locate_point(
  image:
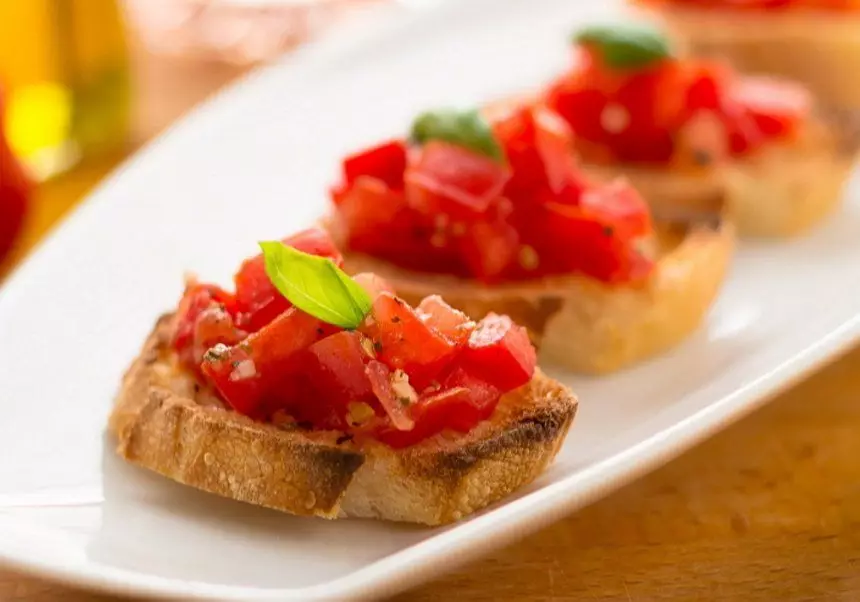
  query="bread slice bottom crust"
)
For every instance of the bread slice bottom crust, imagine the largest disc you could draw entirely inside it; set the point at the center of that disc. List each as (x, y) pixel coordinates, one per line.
(586, 325)
(780, 191)
(165, 421)
(820, 49)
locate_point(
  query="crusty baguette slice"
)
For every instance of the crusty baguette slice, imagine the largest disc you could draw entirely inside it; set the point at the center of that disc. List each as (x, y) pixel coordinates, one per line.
(167, 423)
(586, 325)
(783, 190)
(820, 49)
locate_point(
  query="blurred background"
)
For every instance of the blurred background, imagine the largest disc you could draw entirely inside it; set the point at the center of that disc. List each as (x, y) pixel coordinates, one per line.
(84, 83)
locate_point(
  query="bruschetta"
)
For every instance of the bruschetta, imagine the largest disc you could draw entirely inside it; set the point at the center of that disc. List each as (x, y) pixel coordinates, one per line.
(682, 130)
(313, 393)
(816, 42)
(496, 215)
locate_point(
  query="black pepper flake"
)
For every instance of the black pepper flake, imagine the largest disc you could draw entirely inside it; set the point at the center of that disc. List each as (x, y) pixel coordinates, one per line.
(608, 230)
(235, 363)
(395, 319)
(377, 346)
(196, 388)
(320, 331)
(343, 439)
(404, 401)
(245, 346)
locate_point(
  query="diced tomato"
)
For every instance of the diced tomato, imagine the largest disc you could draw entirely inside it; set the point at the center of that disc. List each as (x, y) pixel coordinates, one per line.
(334, 369)
(394, 405)
(451, 323)
(499, 352)
(461, 403)
(385, 162)
(620, 207)
(554, 143)
(455, 181)
(213, 326)
(15, 191)
(258, 302)
(403, 340)
(578, 242)
(777, 107)
(373, 284)
(743, 133)
(245, 374)
(489, 246)
(195, 300)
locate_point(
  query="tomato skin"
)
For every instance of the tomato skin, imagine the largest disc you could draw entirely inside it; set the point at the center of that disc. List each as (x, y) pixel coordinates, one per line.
(451, 180)
(500, 353)
(489, 247)
(258, 302)
(385, 162)
(404, 341)
(272, 352)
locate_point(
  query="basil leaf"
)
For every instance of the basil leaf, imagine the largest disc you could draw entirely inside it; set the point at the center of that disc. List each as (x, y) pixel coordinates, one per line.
(316, 285)
(626, 46)
(464, 128)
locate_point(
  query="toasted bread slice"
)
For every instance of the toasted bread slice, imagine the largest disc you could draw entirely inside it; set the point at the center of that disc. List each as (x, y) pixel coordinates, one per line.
(780, 191)
(166, 422)
(586, 325)
(819, 48)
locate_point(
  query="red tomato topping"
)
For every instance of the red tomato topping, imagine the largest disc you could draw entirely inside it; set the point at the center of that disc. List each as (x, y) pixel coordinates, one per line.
(499, 353)
(394, 404)
(247, 373)
(403, 340)
(762, 5)
(385, 162)
(196, 300)
(454, 181)
(636, 116)
(451, 323)
(258, 302)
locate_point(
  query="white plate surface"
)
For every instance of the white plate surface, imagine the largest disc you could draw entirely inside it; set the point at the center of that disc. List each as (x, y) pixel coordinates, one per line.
(255, 164)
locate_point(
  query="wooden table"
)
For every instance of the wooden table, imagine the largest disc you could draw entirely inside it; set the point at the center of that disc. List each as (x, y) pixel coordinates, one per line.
(767, 510)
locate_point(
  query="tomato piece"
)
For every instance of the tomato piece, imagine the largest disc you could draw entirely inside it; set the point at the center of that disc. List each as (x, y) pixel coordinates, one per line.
(246, 373)
(488, 247)
(373, 284)
(396, 406)
(334, 369)
(575, 241)
(742, 131)
(385, 162)
(620, 207)
(196, 299)
(500, 353)
(213, 326)
(777, 107)
(461, 403)
(258, 301)
(403, 340)
(451, 323)
(554, 144)
(455, 181)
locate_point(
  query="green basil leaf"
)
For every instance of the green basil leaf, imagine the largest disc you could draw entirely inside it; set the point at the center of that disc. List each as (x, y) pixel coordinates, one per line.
(466, 128)
(626, 46)
(316, 285)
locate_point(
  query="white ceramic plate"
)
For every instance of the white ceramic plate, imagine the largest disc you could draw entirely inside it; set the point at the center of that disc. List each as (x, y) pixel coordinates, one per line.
(255, 164)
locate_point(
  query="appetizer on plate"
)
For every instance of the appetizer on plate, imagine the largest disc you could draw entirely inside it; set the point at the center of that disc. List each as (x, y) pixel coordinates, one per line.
(310, 392)
(813, 41)
(496, 216)
(683, 130)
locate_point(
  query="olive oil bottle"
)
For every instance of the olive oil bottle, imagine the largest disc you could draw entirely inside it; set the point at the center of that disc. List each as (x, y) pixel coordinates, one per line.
(65, 79)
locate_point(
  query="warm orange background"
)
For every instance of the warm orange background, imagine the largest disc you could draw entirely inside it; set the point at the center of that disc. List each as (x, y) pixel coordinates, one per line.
(767, 510)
